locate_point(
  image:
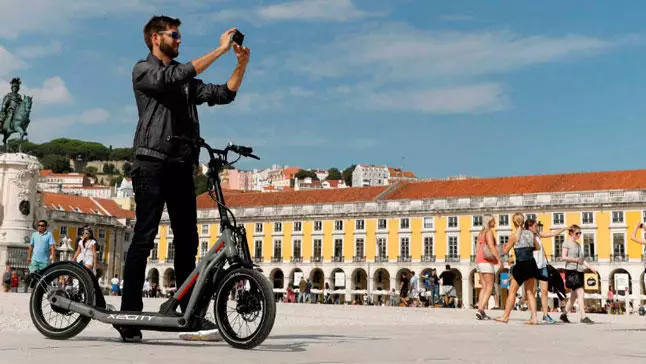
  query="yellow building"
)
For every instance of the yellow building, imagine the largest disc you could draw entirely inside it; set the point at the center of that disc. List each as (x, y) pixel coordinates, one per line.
(360, 240)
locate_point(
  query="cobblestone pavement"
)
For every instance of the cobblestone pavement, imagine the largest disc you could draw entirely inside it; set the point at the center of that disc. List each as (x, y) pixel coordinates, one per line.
(342, 334)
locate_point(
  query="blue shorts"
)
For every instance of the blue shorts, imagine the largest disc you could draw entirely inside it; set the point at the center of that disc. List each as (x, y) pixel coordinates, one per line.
(543, 273)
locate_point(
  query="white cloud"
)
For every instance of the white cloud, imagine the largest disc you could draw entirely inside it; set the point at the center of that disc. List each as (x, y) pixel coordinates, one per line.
(455, 17)
(53, 91)
(298, 10)
(434, 72)
(444, 54)
(49, 16)
(94, 116)
(322, 10)
(9, 62)
(469, 99)
(38, 51)
(49, 127)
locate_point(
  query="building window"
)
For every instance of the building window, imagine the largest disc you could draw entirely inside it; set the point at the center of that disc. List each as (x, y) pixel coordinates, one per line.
(278, 249)
(504, 239)
(278, 227)
(558, 245)
(101, 233)
(258, 249)
(298, 226)
(587, 218)
(617, 217)
(258, 227)
(63, 230)
(453, 247)
(154, 253)
(530, 217)
(503, 220)
(404, 223)
(477, 221)
(317, 248)
(428, 222)
(338, 225)
(297, 249)
(205, 230)
(338, 248)
(404, 248)
(588, 245)
(558, 218)
(359, 225)
(381, 224)
(204, 248)
(618, 246)
(359, 248)
(453, 221)
(318, 225)
(170, 257)
(382, 251)
(428, 246)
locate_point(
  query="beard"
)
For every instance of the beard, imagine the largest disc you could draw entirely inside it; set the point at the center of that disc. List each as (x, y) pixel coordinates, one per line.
(168, 50)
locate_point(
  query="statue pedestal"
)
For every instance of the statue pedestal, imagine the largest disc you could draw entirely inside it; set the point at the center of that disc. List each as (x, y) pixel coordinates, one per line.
(19, 173)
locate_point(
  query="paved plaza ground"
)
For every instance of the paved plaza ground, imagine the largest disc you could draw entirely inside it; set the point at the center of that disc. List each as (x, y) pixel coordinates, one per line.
(342, 334)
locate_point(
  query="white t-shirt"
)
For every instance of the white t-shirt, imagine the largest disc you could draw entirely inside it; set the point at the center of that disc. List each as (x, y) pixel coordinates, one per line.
(86, 255)
(539, 255)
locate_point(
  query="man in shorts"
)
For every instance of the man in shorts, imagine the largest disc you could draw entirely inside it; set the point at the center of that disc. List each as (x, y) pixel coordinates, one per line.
(41, 249)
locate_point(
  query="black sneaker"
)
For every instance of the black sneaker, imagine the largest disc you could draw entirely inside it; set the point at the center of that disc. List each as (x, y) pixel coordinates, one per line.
(480, 315)
(207, 325)
(564, 318)
(586, 320)
(129, 335)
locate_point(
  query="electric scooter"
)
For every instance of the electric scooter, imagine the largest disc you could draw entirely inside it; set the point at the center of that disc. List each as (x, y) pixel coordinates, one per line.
(70, 294)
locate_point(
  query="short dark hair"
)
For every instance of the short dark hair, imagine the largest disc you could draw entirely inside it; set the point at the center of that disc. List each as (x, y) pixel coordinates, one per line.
(158, 24)
(43, 221)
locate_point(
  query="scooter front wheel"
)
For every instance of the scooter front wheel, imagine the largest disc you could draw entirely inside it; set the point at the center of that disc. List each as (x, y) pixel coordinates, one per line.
(244, 307)
(69, 281)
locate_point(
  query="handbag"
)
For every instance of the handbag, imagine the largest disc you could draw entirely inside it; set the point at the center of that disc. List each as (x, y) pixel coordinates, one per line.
(486, 252)
(573, 279)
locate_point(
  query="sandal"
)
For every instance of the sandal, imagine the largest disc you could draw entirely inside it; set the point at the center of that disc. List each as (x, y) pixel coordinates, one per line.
(500, 319)
(531, 322)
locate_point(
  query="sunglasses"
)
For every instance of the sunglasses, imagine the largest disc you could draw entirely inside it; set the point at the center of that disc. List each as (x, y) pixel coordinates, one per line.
(41, 225)
(174, 34)
(578, 233)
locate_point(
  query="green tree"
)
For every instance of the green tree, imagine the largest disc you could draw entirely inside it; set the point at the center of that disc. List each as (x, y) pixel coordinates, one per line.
(200, 181)
(127, 168)
(301, 174)
(57, 163)
(347, 175)
(108, 168)
(91, 171)
(121, 154)
(333, 174)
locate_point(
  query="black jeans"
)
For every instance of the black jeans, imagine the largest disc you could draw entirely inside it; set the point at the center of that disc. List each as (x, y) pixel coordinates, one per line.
(156, 183)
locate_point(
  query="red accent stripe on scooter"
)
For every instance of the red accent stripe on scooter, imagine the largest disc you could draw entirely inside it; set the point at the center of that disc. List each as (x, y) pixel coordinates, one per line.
(219, 247)
(190, 284)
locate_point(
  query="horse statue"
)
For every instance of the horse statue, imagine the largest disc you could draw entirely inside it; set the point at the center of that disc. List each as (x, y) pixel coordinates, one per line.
(17, 122)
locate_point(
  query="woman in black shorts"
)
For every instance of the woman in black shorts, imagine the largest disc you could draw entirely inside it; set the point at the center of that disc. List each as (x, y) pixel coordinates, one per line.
(575, 264)
(523, 240)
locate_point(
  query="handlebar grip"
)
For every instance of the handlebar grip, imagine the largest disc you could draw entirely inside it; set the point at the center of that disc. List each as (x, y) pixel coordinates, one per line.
(253, 156)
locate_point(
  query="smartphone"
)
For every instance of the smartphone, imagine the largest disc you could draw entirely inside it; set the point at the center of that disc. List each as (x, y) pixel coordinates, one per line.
(238, 38)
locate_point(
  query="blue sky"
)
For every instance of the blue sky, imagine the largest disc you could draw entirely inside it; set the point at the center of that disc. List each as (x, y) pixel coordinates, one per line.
(441, 88)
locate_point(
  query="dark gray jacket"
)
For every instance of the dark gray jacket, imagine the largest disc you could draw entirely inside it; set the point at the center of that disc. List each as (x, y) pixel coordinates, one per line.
(166, 99)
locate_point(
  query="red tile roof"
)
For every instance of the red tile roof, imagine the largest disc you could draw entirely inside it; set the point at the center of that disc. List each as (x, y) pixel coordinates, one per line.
(318, 196)
(571, 182)
(85, 205)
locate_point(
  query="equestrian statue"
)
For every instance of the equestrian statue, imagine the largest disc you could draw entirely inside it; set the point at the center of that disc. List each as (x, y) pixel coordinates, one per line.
(14, 114)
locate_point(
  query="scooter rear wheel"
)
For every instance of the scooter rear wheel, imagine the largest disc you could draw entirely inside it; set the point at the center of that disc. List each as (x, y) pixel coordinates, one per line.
(67, 280)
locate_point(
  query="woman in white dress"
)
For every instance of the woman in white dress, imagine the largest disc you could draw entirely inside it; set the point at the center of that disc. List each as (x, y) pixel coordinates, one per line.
(86, 250)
